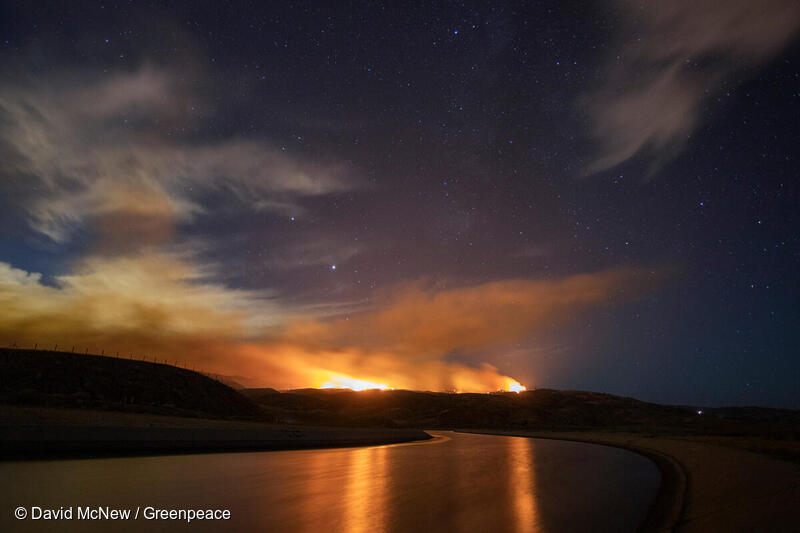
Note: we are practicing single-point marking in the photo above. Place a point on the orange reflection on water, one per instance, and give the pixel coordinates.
(365, 493)
(456, 482)
(522, 482)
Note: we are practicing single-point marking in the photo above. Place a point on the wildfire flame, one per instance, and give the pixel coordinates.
(516, 386)
(345, 382)
(341, 381)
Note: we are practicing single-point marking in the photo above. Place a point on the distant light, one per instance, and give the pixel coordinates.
(333, 267)
(291, 218)
(699, 412)
(455, 32)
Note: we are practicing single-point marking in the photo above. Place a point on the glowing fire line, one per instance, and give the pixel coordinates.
(344, 382)
(339, 381)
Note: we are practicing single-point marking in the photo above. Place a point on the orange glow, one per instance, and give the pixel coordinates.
(164, 304)
(516, 386)
(522, 480)
(344, 382)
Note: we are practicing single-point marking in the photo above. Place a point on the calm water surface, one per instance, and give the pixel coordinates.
(456, 482)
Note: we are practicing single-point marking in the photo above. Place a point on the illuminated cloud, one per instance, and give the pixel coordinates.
(112, 149)
(107, 154)
(162, 305)
(157, 295)
(409, 339)
(421, 322)
(676, 55)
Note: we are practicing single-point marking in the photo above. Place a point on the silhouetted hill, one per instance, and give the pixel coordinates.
(536, 409)
(56, 379)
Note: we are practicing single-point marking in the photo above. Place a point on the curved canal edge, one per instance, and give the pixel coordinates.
(666, 510)
(706, 487)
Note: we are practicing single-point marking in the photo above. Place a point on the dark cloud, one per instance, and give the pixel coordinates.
(106, 149)
(675, 54)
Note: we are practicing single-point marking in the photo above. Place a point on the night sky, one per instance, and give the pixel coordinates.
(452, 196)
